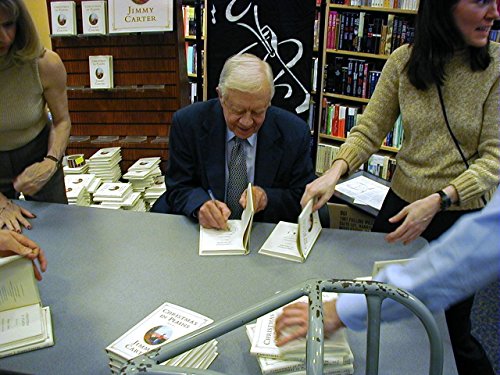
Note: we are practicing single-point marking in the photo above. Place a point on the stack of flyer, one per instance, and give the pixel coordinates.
(89, 181)
(154, 192)
(143, 172)
(164, 325)
(105, 164)
(290, 358)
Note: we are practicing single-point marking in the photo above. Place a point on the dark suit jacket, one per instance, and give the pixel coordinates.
(283, 164)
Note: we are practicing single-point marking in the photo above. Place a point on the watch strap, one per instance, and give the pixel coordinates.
(445, 200)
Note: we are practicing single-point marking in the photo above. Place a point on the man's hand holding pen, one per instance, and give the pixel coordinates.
(214, 214)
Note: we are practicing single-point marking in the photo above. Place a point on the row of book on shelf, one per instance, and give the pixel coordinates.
(382, 166)
(367, 32)
(351, 77)
(338, 119)
(192, 58)
(114, 16)
(394, 4)
(190, 21)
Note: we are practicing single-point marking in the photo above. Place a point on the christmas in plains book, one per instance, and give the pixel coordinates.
(292, 241)
(233, 240)
(165, 324)
(101, 72)
(63, 17)
(94, 20)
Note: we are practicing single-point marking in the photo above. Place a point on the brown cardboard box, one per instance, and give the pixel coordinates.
(343, 216)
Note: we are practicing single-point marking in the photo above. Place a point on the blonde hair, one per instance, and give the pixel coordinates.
(26, 45)
(247, 73)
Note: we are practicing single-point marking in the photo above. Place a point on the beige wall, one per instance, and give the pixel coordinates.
(38, 11)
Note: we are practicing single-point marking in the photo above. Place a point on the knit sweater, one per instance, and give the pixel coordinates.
(22, 104)
(428, 160)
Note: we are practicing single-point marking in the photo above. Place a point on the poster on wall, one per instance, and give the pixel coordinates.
(133, 16)
(279, 32)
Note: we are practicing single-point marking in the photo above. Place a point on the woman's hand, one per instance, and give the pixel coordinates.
(323, 187)
(13, 216)
(417, 217)
(14, 243)
(34, 177)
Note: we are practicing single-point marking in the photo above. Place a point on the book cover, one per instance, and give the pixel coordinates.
(165, 324)
(94, 17)
(63, 17)
(101, 72)
(232, 241)
(133, 16)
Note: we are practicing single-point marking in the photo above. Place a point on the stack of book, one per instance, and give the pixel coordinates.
(143, 172)
(115, 195)
(24, 323)
(89, 181)
(82, 169)
(164, 325)
(77, 194)
(154, 192)
(105, 164)
(290, 358)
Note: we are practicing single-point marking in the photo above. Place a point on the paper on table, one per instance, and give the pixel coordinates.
(364, 191)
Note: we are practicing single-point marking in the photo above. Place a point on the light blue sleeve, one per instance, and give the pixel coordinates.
(464, 259)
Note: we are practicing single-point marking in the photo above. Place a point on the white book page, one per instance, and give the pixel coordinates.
(218, 240)
(282, 240)
(309, 228)
(364, 191)
(18, 286)
(21, 324)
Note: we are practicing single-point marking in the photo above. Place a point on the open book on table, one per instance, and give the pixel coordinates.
(24, 324)
(234, 240)
(294, 241)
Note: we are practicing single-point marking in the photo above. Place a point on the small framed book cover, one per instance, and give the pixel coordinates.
(94, 20)
(133, 16)
(101, 72)
(63, 17)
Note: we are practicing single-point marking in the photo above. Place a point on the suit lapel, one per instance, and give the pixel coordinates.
(212, 141)
(269, 152)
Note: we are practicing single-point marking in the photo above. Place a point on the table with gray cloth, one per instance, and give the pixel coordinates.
(108, 269)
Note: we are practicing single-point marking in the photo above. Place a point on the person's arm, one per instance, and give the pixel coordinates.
(463, 260)
(14, 243)
(53, 78)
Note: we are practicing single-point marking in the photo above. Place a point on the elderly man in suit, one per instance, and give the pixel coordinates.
(275, 145)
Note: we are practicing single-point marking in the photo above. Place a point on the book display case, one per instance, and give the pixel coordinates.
(150, 84)
(357, 41)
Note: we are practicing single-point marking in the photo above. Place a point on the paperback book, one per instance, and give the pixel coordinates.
(232, 241)
(25, 325)
(292, 241)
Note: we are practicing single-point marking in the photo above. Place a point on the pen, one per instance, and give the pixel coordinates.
(212, 197)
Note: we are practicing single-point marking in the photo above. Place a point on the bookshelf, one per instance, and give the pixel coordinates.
(150, 84)
(194, 22)
(357, 41)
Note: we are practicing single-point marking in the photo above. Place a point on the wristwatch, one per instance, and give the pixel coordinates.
(54, 159)
(445, 200)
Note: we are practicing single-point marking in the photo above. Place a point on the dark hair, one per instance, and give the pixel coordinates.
(436, 39)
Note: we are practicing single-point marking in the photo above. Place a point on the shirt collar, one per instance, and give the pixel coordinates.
(251, 140)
